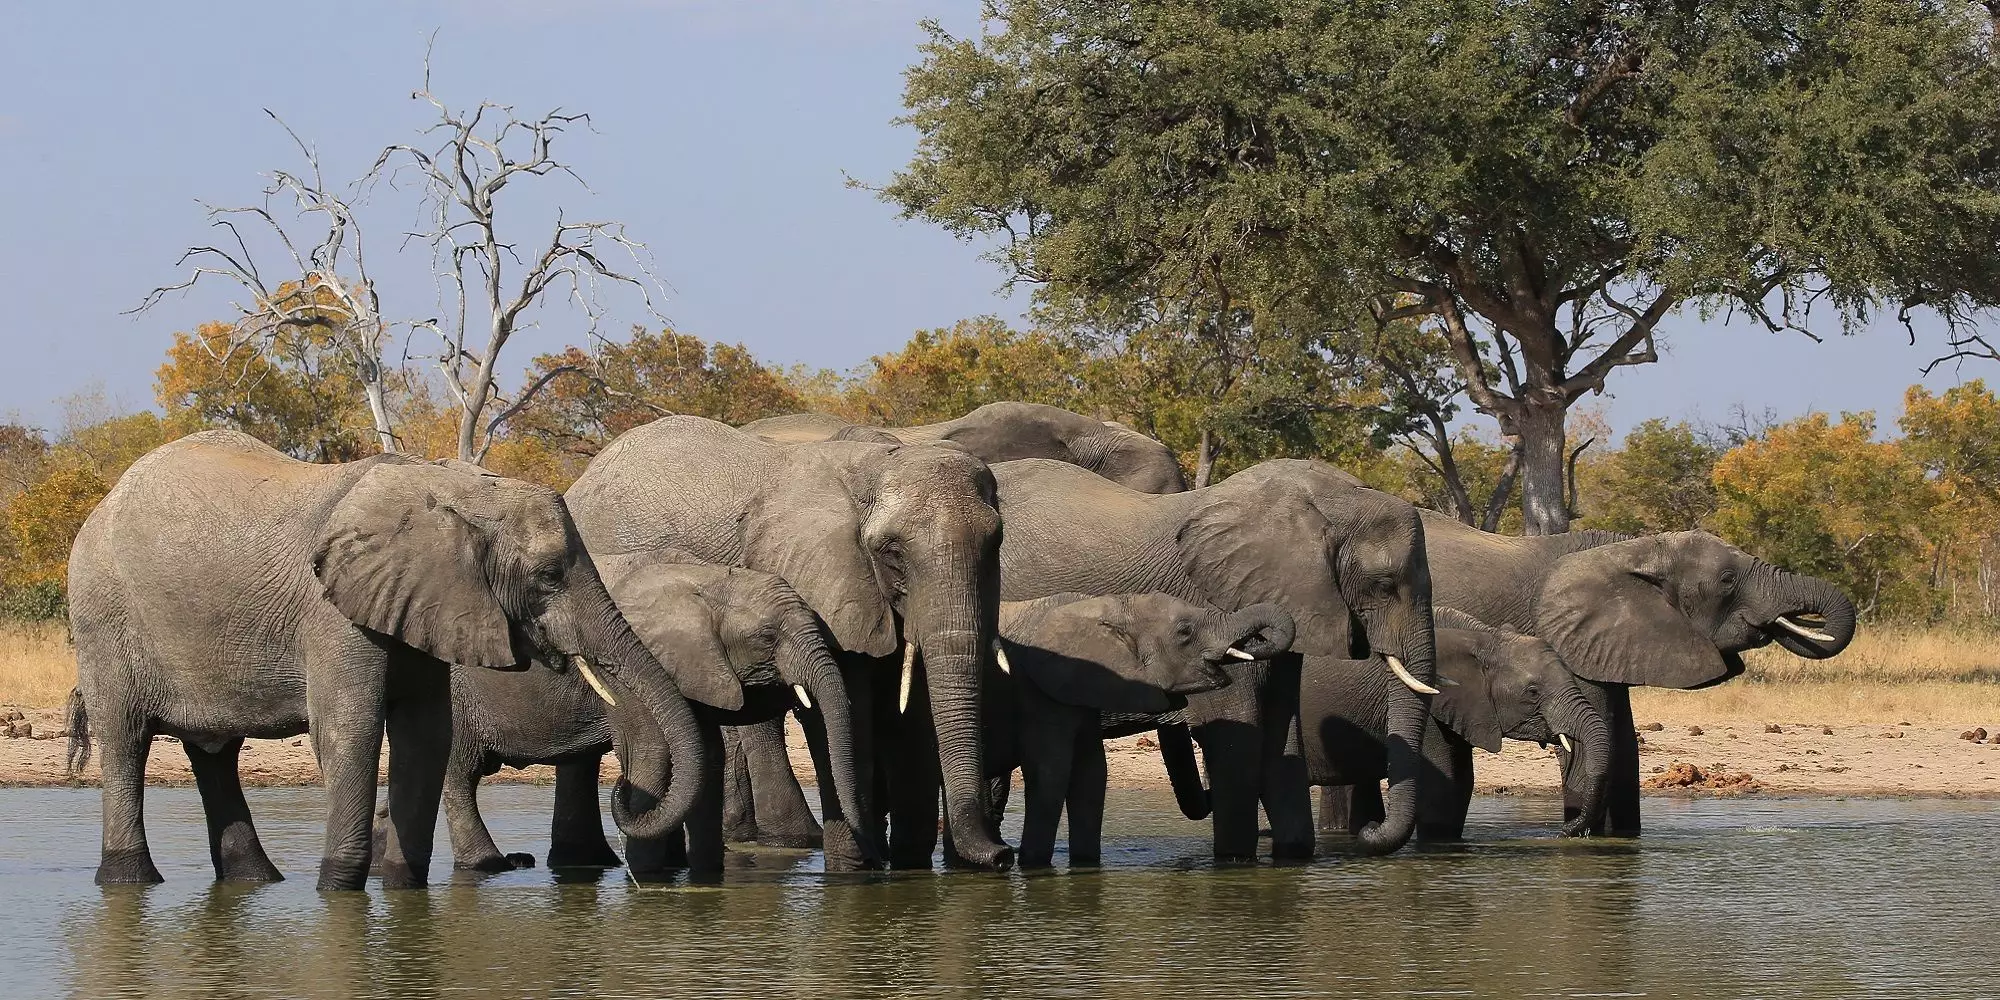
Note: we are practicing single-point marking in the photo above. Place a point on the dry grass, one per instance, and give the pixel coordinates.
(37, 665)
(1929, 676)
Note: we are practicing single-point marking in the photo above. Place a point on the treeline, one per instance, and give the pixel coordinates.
(1906, 522)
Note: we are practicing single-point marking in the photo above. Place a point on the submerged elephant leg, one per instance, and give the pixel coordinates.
(576, 829)
(419, 723)
(472, 846)
(783, 817)
(914, 782)
(346, 726)
(1365, 806)
(1232, 752)
(1087, 777)
(1444, 792)
(123, 745)
(1286, 795)
(1622, 812)
(704, 822)
(233, 846)
(1335, 803)
(739, 802)
(1046, 773)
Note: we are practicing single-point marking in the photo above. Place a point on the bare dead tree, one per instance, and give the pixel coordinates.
(486, 284)
(323, 285)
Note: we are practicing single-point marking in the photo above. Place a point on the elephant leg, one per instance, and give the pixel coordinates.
(576, 829)
(1365, 806)
(704, 822)
(1087, 777)
(1045, 773)
(1233, 754)
(1335, 802)
(914, 784)
(1444, 792)
(419, 723)
(346, 725)
(1623, 810)
(123, 745)
(739, 803)
(838, 842)
(233, 846)
(1286, 794)
(783, 817)
(472, 846)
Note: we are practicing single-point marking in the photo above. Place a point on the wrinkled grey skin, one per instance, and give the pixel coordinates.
(1004, 432)
(1673, 610)
(223, 590)
(1075, 658)
(1498, 683)
(885, 543)
(1297, 534)
(729, 636)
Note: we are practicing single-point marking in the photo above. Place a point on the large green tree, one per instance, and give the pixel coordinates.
(1539, 183)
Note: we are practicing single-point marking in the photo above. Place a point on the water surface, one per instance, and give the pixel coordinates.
(1745, 898)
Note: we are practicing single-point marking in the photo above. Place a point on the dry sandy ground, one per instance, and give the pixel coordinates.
(1904, 760)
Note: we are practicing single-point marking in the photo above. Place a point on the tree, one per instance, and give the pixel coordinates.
(1539, 184)
(945, 373)
(1955, 438)
(1661, 480)
(292, 389)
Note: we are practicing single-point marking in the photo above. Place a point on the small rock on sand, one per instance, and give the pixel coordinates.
(1975, 735)
(1774, 728)
(1653, 727)
(1694, 730)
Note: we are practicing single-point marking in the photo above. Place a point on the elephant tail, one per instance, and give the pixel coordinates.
(78, 754)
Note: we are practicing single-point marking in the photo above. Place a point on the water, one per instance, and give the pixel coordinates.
(1722, 898)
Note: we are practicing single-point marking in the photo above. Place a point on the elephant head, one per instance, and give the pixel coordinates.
(480, 570)
(1501, 683)
(1134, 653)
(1347, 562)
(734, 637)
(1677, 610)
(898, 549)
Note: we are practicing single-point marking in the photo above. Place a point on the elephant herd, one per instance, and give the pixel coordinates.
(938, 606)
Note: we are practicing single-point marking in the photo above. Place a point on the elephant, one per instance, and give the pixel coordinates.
(1669, 610)
(1496, 683)
(740, 644)
(895, 547)
(1002, 432)
(1332, 554)
(224, 590)
(1069, 659)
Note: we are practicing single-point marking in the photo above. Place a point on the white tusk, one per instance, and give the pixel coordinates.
(1563, 738)
(590, 677)
(909, 675)
(1239, 654)
(1000, 656)
(1409, 679)
(1797, 629)
(804, 698)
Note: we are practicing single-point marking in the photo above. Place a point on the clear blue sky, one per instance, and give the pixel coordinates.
(724, 129)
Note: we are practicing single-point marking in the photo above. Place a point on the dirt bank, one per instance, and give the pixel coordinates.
(1873, 760)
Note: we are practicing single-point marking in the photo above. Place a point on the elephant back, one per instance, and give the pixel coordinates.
(678, 482)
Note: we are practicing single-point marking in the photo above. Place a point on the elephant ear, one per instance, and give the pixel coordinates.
(1089, 665)
(663, 601)
(808, 531)
(1465, 702)
(1609, 613)
(1269, 545)
(397, 558)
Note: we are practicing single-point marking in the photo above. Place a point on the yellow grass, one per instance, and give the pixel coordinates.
(1888, 675)
(37, 665)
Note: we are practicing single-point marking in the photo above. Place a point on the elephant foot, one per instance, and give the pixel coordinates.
(597, 855)
(336, 875)
(258, 870)
(400, 875)
(489, 863)
(1291, 851)
(744, 832)
(128, 868)
(844, 851)
(793, 836)
(1028, 859)
(1440, 833)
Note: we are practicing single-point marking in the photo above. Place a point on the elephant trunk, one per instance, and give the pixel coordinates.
(804, 660)
(1183, 770)
(660, 741)
(1589, 773)
(1260, 630)
(955, 623)
(1796, 598)
(1406, 719)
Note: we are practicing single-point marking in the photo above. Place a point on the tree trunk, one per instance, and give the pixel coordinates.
(378, 408)
(1204, 459)
(1543, 451)
(1496, 505)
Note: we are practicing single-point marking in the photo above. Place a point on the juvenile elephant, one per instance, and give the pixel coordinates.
(1332, 554)
(223, 590)
(1496, 683)
(1070, 659)
(741, 644)
(1003, 432)
(895, 547)
(1672, 610)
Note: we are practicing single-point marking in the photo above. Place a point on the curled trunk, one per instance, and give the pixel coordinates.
(1796, 596)
(1261, 630)
(1405, 720)
(1589, 773)
(803, 659)
(660, 737)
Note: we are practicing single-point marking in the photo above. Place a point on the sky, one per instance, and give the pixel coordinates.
(724, 136)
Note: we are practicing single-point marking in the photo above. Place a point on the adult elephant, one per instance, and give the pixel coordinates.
(1004, 432)
(1346, 562)
(896, 548)
(1497, 683)
(741, 644)
(1673, 610)
(224, 590)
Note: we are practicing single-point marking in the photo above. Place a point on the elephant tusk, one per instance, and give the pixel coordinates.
(909, 675)
(1000, 657)
(1800, 630)
(1409, 679)
(1239, 654)
(804, 698)
(590, 677)
(1563, 738)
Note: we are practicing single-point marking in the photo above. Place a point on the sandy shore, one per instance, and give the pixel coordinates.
(1725, 757)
